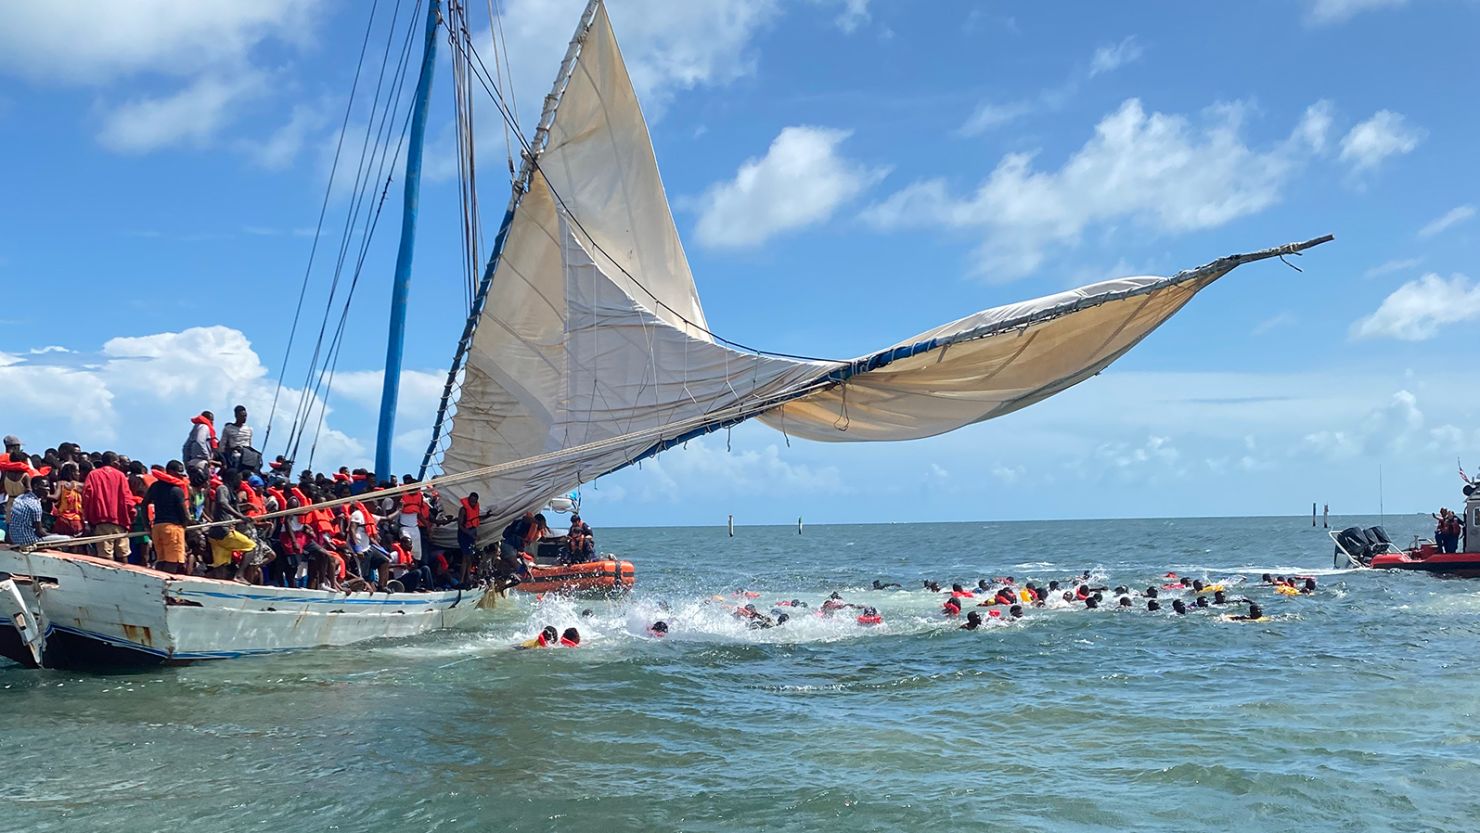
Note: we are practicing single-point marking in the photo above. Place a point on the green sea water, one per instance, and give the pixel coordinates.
(1351, 710)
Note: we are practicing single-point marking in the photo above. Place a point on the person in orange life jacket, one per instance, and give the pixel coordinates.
(959, 592)
(200, 444)
(413, 516)
(570, 639)
(516, 541)
(468, 521)
(416, 576)
(952, 607)
(547, 636)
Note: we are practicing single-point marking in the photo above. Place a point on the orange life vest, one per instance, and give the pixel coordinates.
(255, 506)
(414, 503)
(470, 520)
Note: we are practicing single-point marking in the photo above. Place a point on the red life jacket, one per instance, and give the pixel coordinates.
(365, 513)
(164, 476)
(471, 520)
(24, 467)
(255, 506)
(871, 620)
(569, 643)
(201, 420)
(414, 503)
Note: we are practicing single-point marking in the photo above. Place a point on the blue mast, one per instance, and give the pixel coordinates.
(401, 286)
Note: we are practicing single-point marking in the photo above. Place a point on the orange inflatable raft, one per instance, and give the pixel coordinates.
(605, 576)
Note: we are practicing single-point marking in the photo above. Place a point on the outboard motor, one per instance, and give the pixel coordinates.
(1353, 547)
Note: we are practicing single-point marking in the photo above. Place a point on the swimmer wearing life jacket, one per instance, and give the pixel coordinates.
(570, 639)
(1255, 614)
(753, 618)
(797, 603)
(870, 617)
(959, 592)
(547, 636)
(952, 607)
(658, 629)
(1179, 607)
(833, 604)
(973, 621)
(880, 585)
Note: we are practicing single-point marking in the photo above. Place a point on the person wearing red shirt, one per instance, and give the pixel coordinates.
(106, 506)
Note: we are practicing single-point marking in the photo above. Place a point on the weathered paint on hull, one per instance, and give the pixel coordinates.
(98, 612)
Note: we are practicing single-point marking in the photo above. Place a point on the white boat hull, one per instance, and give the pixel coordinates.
(93, 611)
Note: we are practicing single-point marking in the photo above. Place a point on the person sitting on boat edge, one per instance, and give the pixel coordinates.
(25, 528)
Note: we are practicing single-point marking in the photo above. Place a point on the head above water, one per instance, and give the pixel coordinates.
(549, 633)
(1125, 601)
(659, 627)
(1152, 592)
(974, 618)
(1255, 611)
(1016, 611)
(958, 588)
(1201, 601)
(1219, 597)
(1092, 602)
(1153, 605)
(572, 636)
(1179, 606)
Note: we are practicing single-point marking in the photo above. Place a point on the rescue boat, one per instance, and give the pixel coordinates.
(604, 576)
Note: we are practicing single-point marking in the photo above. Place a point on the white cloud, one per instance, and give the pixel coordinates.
(86, 42)
(1417, 310)
(1386, 134)
(1451, 218)
(668, 47)
(1315, 125)
(1159, 170)
(1391, 428)
(1111, 57)
(702, 466)
(989, 116)
(189, 116)
(281, 147)
(140, 392)
(207, 46)
(1339, 11)
(1008, 474)
(854, 14)
(800, 181)
(1388, 267)
(1284, 318)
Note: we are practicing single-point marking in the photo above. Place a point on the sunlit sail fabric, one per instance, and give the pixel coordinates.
(591, 352)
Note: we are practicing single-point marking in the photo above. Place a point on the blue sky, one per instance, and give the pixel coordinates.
(845, 173)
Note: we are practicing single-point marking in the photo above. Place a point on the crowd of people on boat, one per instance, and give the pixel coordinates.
(219, 512)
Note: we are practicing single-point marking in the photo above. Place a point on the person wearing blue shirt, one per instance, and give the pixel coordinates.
(25, 516)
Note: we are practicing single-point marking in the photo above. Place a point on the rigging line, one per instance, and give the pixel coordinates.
(495, 32)
(369, 153)
(319, 227)
(358, 190)
(484, 80)
(371, 223)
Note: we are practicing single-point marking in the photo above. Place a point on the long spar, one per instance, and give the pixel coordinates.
(401, 285)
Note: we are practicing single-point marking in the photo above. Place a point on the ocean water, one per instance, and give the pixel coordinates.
(1351, 710)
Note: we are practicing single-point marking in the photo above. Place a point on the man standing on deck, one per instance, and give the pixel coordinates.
(468, 521)
(106, 507)
(413, 517)
(166, 496)
(200, 445)
(236, 437)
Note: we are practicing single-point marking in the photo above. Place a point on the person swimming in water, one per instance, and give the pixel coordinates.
(932, 586)
(1254, 615)
(973, 621)
(547, 636)
(587, 613)
(1179, 607)
(879, 585)
(783, 619)
(658, 629)
(1125, 601)
(1091, 603)
(1310, 586)
(571, 638)
(952, 607)
(1152, 592)
(1200, 601)
(961, 592)
(1152, 605)
(1016, 611)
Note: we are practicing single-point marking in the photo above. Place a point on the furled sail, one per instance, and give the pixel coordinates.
(591, 351)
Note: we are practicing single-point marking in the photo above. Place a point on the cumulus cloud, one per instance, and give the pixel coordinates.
(1389, 267)
(1393, 427)
(704, 465)
(1323, 12)
(1111, 57)
(203, 52)
(1163, 171)
(190, 116)
(801, 181)
(137, 394)
(1385, 135)
(668, 47)
(1451, 218)
(1417, 310)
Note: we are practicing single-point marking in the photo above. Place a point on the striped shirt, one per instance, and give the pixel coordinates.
(25, 514)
